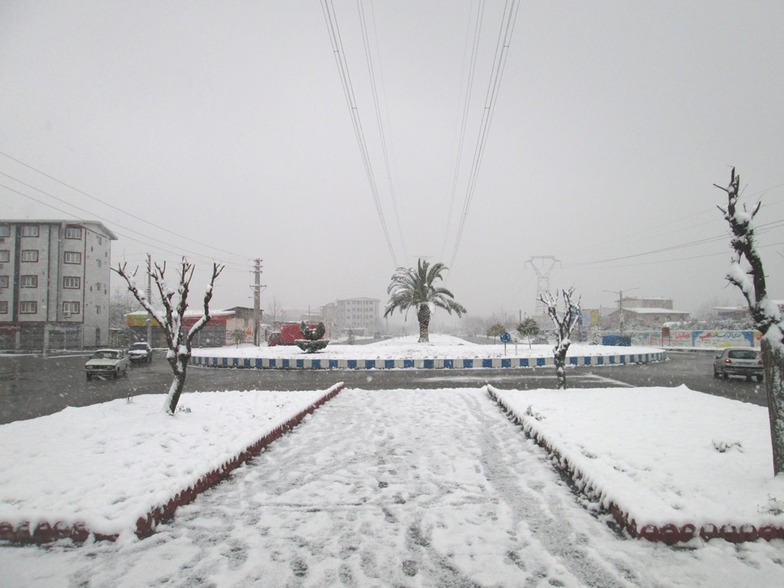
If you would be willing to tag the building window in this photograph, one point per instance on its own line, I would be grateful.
(29, 282)
(70, 308)
(97, 309)
(27, 307)
(5, 256)
(30, 255)
(3, 281)
(3, 307)
(73, 257)
(5, 231)
(72, 283)
(29, 230)
(99, 262)
(73, 232)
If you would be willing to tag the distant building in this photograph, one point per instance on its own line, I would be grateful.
(54, 284)
(646, 312)
(241, 320)
(358, 315)
(741, 312)
(329, 312)
(216, 333)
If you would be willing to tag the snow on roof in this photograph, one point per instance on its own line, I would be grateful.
(70, 222)
(142, 313)
(643, 310)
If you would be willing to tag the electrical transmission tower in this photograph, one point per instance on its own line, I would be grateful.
(542, 266)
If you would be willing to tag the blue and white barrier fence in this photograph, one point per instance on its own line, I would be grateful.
(316, 363)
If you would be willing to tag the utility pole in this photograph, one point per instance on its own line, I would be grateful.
(256, 300)
(149, 294)
(620, 308)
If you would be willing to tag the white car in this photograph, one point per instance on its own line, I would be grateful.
(140, 352)
(738, 361)
(107, 362)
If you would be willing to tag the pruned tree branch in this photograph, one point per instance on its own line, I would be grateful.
(564, 325)
(171, 316)
(747, 273)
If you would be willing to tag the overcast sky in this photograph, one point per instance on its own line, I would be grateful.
(221, 130)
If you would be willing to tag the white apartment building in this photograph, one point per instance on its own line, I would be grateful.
(54, 284)
(359, 315)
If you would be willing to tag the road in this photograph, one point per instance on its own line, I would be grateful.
(32, 386)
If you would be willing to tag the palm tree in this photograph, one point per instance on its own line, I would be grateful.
(414, 288)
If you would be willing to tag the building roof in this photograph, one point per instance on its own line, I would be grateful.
(654, 311)
(72, 222)
(188, 313)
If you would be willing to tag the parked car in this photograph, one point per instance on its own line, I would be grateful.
(140, 353)
(107, 362)
(738, 361)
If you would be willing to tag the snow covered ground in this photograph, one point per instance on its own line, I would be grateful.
(439, 347)
(396, 488)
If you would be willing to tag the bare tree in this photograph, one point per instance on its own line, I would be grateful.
(275, 311)
(121, 304)
(564, 325)
(170, 318)
(747, 273)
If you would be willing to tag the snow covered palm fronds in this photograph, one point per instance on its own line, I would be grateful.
(415, 288)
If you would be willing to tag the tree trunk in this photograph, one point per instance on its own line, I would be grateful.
(773, 360)
(423, 316)
(559, 358)
(179, 365)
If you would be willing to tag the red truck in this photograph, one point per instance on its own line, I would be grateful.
(289, 332)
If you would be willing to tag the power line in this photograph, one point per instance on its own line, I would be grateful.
(464, 119)
(760, 229)
(499, 64)
(101, 202)
(330, 19)
(382, 135)
(96, 216)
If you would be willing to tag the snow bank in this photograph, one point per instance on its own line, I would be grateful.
(103, 467)
(661, 456)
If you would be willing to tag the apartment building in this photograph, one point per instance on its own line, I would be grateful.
(358, 315)
(54, 284)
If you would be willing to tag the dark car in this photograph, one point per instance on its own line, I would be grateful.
(140, 353)
(738, 361)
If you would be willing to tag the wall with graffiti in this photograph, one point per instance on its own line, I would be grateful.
(708, 339)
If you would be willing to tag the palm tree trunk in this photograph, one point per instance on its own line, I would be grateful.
(423, 316)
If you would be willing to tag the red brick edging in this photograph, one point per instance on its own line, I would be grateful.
(45, 532)
(668, 534)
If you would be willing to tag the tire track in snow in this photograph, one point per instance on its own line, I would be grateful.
(545, 505)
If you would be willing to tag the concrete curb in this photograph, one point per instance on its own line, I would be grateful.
(308, 362)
